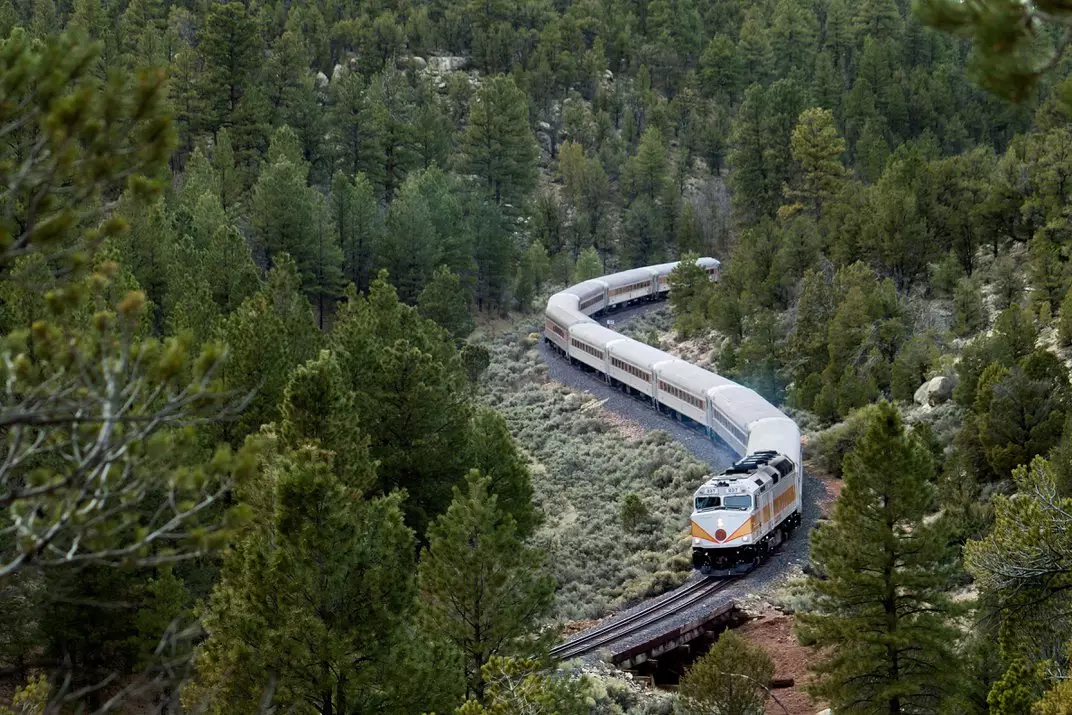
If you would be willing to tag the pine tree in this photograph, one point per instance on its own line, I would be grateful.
(494, 453)
(445, 301)
(817, 147)
(231, 48)
(497, 144)
(355, 128)
(588, 266)
(313, 605)
(272, 332)
(411, 396)
(881, 603)
(754, 188)
(324, 280)
(646, 171)
(283, 206)
(357, 224)
(481, 588)
(223, 161)
(969, 311)
(1021, 417)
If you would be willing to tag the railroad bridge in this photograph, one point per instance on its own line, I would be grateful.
(660, 638)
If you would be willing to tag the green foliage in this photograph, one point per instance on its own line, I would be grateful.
(444, 301)
(817, 147)
(731, 678)
(691, 291)
(881, 599)
(411, 397)
(969, 311)
(269, 334)
(321, 573)
(634, 512)
(588, 266)
(481, 588)
(497, 145)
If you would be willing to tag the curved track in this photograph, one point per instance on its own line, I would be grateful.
(649, 614)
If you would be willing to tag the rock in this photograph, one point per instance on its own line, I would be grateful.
(321, 80)
(934, 392)
(447, 64)
(414, 63)
(543, 126)
(824, 712)
(337, 72)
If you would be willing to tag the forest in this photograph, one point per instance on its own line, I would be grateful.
(252, 252)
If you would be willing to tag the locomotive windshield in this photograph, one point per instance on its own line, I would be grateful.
(738, 502)
(704, 503)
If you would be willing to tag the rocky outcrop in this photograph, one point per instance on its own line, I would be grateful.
(934, 391)
(447, 63)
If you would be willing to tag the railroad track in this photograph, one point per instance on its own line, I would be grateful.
(653, 612)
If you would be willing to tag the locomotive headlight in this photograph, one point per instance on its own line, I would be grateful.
(695, 541)
(746, 538)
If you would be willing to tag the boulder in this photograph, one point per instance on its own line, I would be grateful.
(337, 72)
(824, 712)
(321, 80)
(447, 64)
(934, 391)
(415, 63)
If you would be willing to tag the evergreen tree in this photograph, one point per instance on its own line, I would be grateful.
(325, 278)
(355, 125)
(283, 206)
(272, 332)
(358, 226)
(497, 145)
(690, 295)
(231, 49)
(312, 607)
(411, 397)
(588, 266)
(494, 453)
(817, 147)
(969, 311)
(481, 588)
(446, 302)
(881, 603)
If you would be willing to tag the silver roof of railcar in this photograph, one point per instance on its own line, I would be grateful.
(638, 353)
(692, 378)
(563, 309)
(778, 433)
(626, 277)
(707, 262)
(743, 405)
(586, 289)
(595, 334)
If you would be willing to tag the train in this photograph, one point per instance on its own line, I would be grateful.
(740, 515)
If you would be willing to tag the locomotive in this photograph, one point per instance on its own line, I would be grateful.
(742, 514)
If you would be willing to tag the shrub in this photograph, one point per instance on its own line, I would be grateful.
(733, 675)
(634, 511)
(969, 312)
(944, 276)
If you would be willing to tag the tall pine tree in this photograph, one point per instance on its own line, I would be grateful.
(881, 608)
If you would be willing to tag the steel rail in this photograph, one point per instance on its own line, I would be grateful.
(654, 612)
